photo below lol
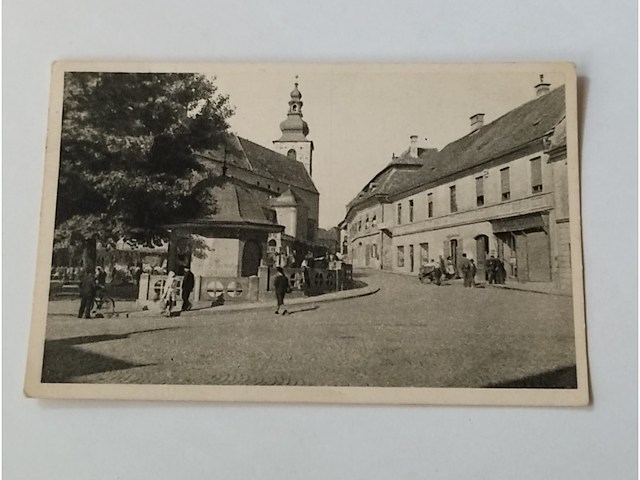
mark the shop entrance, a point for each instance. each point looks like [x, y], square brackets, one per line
[482, 251]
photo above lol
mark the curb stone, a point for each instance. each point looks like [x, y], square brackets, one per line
[334, 296]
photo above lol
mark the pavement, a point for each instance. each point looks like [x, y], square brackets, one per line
[130, 308]
[406, 334]
[547, 288]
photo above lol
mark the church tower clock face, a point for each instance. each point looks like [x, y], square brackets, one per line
[293, 142]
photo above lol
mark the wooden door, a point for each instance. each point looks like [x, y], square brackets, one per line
[522, 270]
[453, 252]
[482, 248]
[538, 256]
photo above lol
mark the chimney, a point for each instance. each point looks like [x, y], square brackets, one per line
[542, 87]
[477, 121]
[413, 147]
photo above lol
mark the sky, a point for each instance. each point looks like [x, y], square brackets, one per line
[359, 115]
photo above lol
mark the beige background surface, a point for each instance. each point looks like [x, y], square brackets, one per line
[118, 440]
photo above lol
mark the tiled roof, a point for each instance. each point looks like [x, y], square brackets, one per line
[277, 166]
[245, 154]
[286, 199]
[518, 127]
[398, 172]
[508, 133]
[236, 203]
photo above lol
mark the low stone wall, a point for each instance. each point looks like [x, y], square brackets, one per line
[320, 280]
[232, 289]
[248, 289]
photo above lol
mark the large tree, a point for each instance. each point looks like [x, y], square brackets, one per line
[127, 159]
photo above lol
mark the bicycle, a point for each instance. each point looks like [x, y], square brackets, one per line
[103, 307]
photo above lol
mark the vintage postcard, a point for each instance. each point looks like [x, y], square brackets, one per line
[331, 233]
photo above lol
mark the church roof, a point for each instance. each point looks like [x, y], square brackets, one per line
[247, 155]
[294, 128]
[286, 199]
[277, 166]
[236, 205]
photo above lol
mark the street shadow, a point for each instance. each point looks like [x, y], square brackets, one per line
[63, 360]
[559, 378]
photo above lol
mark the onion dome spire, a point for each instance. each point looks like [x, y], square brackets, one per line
[294, 128]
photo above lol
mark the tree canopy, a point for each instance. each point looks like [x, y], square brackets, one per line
[127, 158]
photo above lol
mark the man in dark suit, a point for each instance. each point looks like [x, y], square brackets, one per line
[465, 268]
[281, 287]
[490, 269]
[87, 294]
[188, 282]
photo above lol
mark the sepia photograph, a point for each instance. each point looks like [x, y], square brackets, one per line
[334, 233]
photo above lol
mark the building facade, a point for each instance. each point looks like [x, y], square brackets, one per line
[500, 190]
[265, 204]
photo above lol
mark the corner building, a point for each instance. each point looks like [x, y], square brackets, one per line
[500, 190]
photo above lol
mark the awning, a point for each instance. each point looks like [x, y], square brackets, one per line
[519, 223]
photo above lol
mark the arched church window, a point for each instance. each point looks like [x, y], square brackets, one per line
[272, 243]
[291, 154]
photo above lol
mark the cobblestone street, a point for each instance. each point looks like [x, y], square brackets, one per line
[407, 334]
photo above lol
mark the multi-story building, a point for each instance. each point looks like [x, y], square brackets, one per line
[499, 190]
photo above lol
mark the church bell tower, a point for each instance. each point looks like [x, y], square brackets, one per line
[293, 142]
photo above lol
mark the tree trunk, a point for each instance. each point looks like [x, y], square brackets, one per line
[89, 254]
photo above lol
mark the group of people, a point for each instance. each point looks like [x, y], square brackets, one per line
[494, 270]
[168, 297]
[92, 287]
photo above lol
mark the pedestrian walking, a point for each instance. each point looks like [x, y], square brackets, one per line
[490, 269]
[500, 272]
[101, 282]
[450, 269]
[168, 297]
[188, 282]
[281, 288]
[436, 273]
[474, 270]
[465, 268]
[306, 266]
[87, 294]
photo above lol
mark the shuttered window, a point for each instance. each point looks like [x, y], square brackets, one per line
[399, 213]
[479, 191]
[505, 183]
[424, 253]
[536, 175]
[452, 199]
[430, 205]
[411, 210]
[400, 259]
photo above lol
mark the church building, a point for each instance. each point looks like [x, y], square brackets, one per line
[265, 204]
